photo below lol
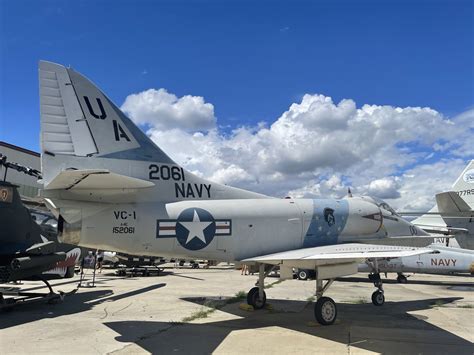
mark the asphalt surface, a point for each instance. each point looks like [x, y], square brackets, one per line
[198, 312]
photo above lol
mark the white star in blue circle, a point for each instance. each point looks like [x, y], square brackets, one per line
[195, 228]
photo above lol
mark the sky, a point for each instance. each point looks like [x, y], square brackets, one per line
[300, 98]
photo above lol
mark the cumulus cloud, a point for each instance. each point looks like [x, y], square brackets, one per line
[317, 147]
[162, 110]
[385, 188]
[419, 184]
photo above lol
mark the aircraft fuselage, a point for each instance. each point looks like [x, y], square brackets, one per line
[227, 230]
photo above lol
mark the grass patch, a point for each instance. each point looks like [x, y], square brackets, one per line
[466, 306]
[273, 284]
[208, 308]
[239, 296]
[357, 301]
[437, 303]
[311, 299]
[211, 306]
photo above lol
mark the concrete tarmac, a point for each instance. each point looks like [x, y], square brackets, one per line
[198, 312]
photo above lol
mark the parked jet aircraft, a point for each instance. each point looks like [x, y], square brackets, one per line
[453, 213]
[448, 261]
[112, 188]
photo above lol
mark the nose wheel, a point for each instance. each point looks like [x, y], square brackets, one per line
[378, 299]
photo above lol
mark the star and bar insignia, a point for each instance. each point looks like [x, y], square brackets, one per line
[194, 229]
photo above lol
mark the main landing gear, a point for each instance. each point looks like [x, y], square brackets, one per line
[325, 309]
[256, 297]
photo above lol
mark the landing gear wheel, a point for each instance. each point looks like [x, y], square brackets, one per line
[325, 311]
[402, 279]
[378, 299]
[302, 275]
[254, 300]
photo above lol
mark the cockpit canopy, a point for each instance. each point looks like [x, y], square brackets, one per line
[380, 203]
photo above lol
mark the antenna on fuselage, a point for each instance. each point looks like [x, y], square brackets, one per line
[349, 192]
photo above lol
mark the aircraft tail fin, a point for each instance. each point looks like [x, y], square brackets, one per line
[464, 185]
[89, 144]
[452, 204]
[77, 119]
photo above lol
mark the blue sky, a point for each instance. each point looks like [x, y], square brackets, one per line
[251, 60]
[375, 95]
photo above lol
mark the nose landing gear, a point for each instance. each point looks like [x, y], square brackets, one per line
[378, 297]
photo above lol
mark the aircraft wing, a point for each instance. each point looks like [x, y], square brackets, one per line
[92, 179]
[331, 256]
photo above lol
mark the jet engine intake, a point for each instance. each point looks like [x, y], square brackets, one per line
[69, 233]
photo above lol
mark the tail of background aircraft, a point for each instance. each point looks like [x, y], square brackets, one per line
[89, 146]
[453, 212]
[464, 185]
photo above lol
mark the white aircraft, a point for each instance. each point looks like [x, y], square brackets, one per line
[453, 213]
[449, 261]
[112, 188]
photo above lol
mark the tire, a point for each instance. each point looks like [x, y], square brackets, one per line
[378, 298]
[254, 300]
[302, 275]
[402, 279]
[325, 311]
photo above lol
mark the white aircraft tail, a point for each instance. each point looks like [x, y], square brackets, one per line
[453, 212]
[464, 185]
[83, 131]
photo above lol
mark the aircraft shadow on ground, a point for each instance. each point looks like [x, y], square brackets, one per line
[76, 303]
[386, 329]
[412, 282]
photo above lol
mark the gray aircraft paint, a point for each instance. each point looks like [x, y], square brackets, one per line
[257, 226]
[128, 220]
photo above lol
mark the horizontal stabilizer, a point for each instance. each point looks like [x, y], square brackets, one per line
[442, 230]
[407, 241]
[95, 179]
[451, 203]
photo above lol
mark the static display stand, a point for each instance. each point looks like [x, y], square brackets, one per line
[81, 279]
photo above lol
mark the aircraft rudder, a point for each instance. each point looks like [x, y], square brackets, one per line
[464, 185]
[79, 120]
